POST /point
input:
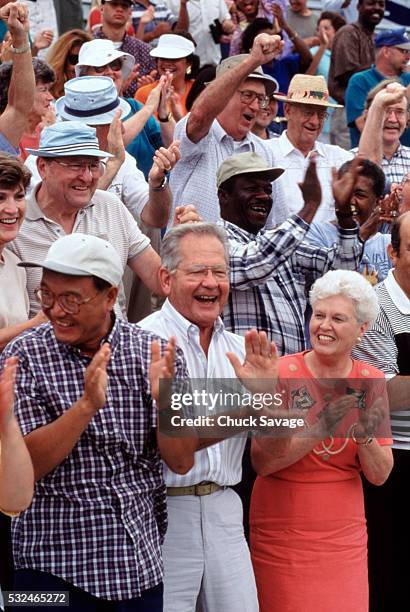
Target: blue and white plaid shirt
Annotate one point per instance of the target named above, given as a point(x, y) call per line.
point(271, 274)
point(98, 519)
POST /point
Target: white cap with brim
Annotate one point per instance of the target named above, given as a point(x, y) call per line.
point(100, 52)
point(92, 100)
point(172, 46)
point(82, 255)
point(69, 138)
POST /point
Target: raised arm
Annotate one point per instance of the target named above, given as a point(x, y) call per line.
point(22, 84)
point(371, 140)
point(215, 96)
point(16, 468)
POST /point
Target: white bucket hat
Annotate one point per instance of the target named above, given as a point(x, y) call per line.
point(92, 100)
point(100, 52)
point(172, 46)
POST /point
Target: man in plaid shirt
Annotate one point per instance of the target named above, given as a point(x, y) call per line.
point(85, 392)
point(271, 270)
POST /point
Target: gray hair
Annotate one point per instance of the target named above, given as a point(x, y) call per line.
point(170, 251)
point(351, 285)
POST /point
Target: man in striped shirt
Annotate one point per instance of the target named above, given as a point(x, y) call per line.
point(386, 345)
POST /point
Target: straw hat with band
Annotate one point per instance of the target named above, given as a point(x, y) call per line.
point(306, 89)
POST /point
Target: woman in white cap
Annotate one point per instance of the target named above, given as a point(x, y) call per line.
point(175, 56)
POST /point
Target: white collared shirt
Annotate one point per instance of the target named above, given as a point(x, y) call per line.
point(287, 192)
point(222, 462)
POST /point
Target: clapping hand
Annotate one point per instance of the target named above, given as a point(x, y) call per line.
point(162, 367)
point(96, 379)
point(259, 372)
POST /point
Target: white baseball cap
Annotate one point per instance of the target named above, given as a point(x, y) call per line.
point(100, 52)
point(173, 46)
point(82, 255)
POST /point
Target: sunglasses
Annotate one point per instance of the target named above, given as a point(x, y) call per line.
point(115, 66)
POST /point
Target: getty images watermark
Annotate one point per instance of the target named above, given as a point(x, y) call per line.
point(220, 408)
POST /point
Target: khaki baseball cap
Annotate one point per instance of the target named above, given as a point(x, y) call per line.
point(271, 84)
point(246, 163)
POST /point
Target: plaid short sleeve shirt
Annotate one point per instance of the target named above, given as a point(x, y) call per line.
point(98, 519)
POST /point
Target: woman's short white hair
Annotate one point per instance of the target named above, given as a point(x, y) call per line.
point(351, 285)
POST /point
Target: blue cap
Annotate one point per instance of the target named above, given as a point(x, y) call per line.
point(68, 138)
point(393, 38)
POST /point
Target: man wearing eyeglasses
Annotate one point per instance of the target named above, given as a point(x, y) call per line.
point(85, 390)
point(220, 124)
point(206, 558)
point(305, 105)
point(392, 56)
point(67, 200)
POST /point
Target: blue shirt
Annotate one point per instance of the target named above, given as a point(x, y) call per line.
point(375, 261)
point(355, 99)
point(7, 147)
point(144, 145)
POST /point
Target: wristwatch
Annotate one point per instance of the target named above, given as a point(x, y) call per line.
point(160, 187)
point(23, 49)
point(165, 119)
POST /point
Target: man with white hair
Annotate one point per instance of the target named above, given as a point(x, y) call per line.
point(305, 106)
point(67, 200)
point(206, 558)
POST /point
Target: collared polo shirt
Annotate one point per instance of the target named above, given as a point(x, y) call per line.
point(105, 217)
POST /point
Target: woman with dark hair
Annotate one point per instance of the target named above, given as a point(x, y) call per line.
point(175, 56)
point(63, 56)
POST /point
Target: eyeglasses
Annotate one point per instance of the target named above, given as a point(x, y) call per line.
point(72, 58)
point(96, 168)
point(248, 96)
point(403, 51)
point(70, 303)
point(308, 112)
point(115, 66)
point(399, 112)
point(201, 272)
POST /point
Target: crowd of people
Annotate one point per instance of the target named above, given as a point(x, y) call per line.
point(204, 199)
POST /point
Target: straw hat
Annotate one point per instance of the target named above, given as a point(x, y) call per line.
point(306, 89)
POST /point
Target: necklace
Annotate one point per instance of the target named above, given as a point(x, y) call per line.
point(326, 451)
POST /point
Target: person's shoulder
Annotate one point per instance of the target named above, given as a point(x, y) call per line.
point(346, 31)
point(26, 343)
point(363, 369)
point(335, 152)
point(405, 78)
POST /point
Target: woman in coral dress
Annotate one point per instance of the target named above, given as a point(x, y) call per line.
point(308, 529)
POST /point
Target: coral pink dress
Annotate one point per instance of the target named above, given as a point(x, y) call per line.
point(308, 529)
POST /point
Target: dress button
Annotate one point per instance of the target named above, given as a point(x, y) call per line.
point(325, 457)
